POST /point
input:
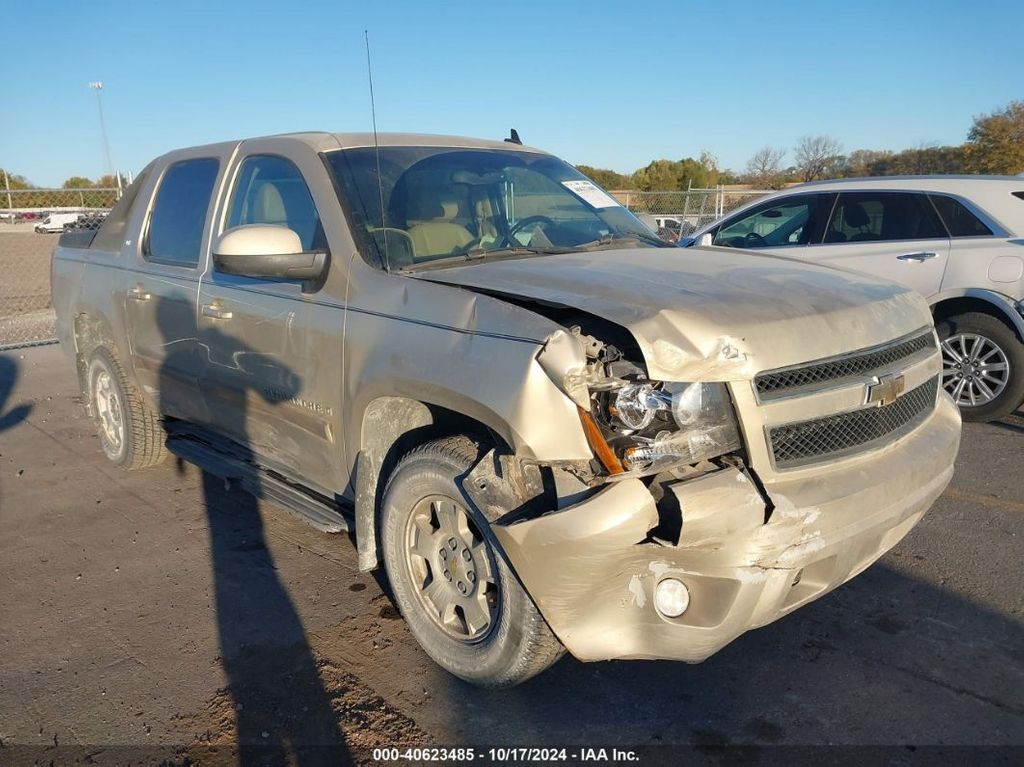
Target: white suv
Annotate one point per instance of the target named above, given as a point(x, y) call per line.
point(958, 240)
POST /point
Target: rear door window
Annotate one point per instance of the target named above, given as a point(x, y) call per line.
point(958, 219)
point(883, 217)
point(176, 224)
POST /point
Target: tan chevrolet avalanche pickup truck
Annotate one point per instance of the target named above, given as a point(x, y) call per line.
point(553, 431)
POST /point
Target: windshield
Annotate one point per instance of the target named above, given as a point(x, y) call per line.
point(445, 203)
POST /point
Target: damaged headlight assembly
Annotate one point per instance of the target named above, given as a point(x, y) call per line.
point(634, 425)
point(651, 426)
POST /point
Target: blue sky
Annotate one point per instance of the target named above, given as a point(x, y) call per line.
point(612, 84)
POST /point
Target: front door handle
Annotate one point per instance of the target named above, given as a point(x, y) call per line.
point(138, 294)
point(922, 256)
point(214, 311)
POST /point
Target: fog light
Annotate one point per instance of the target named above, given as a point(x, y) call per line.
point(671, 598)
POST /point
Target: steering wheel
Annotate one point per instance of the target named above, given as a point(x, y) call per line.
point(753, 240)
point(525, 222)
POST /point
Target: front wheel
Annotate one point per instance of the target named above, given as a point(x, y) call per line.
point(462, 602)
point(982, 365)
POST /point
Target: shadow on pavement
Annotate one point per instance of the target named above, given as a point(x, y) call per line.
point(885, 660)
point(8, 377)
point(282, 712)
point(1013, 422)
point(10, 416)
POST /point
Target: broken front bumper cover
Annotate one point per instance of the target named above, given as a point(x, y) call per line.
point(592, 569)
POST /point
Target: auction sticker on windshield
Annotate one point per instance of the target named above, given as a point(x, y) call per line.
point(590, 194)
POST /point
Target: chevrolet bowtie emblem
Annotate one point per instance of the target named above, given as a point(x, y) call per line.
point(886, 389)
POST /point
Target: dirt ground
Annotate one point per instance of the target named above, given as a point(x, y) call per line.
point(24, 270)
point(163, 613)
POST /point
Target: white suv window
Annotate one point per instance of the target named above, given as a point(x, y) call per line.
point(959, 220)
point(883, 216)
point(795, 220)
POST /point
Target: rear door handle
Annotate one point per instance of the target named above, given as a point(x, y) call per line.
point(922, 256)
point(214, 311)
point(138, 294)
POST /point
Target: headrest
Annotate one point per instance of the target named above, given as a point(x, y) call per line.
point(428, 208)
point(855, 216)
point(269, 205)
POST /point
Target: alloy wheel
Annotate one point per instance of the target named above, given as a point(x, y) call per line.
point(975, 370)
point(452, 568)
point(109, 410)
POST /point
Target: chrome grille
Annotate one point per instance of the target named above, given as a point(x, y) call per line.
point(798, 444)
point(814, 375)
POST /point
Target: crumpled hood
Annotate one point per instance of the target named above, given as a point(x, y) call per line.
point(710, 314)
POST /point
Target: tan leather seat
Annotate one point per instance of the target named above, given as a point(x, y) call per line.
point(432, 228)
point(287, 203)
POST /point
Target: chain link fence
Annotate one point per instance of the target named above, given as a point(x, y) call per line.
point(677, 214)
point(31, 222)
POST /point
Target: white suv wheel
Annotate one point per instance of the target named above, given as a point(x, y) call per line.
point(975, 369)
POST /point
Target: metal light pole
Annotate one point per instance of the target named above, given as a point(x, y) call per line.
point(98, 87)
point(10, 205)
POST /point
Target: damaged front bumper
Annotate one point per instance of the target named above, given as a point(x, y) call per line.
point(592, 568)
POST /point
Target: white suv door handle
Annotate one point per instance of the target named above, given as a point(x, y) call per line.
point(138, 294)
point(215, 312)
point(922, 256)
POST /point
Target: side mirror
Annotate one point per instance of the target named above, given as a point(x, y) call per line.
point(267, 250)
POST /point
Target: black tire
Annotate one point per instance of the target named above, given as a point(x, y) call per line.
point(517, 643)
point(133, 435)
point(999, 335)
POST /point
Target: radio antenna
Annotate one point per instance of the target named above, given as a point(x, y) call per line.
point(376, 149)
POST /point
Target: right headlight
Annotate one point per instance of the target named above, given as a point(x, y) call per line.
point(652, 426)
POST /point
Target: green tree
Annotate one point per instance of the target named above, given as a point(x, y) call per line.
point(111, 181)
point(674, 175)
point(14, 181)
point(609, 179)
point(925, 160)
point(77, 182)
point(995, 143)
point(868, 162)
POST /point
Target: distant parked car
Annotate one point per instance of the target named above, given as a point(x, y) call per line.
point(955, 239)
point(86, 222)
point(655, 225)
point(55, 222)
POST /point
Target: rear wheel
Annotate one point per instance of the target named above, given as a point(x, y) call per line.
point(130, 432)
point(982, 365)
point(461, 600)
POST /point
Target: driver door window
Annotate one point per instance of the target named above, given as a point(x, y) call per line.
point(271, 190)
point(784, 222)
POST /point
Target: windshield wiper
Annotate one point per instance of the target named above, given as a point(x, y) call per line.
point(613, 239)
point(481, 254)
point(518, 250)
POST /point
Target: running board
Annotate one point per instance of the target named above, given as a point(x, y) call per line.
point(195, 447)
